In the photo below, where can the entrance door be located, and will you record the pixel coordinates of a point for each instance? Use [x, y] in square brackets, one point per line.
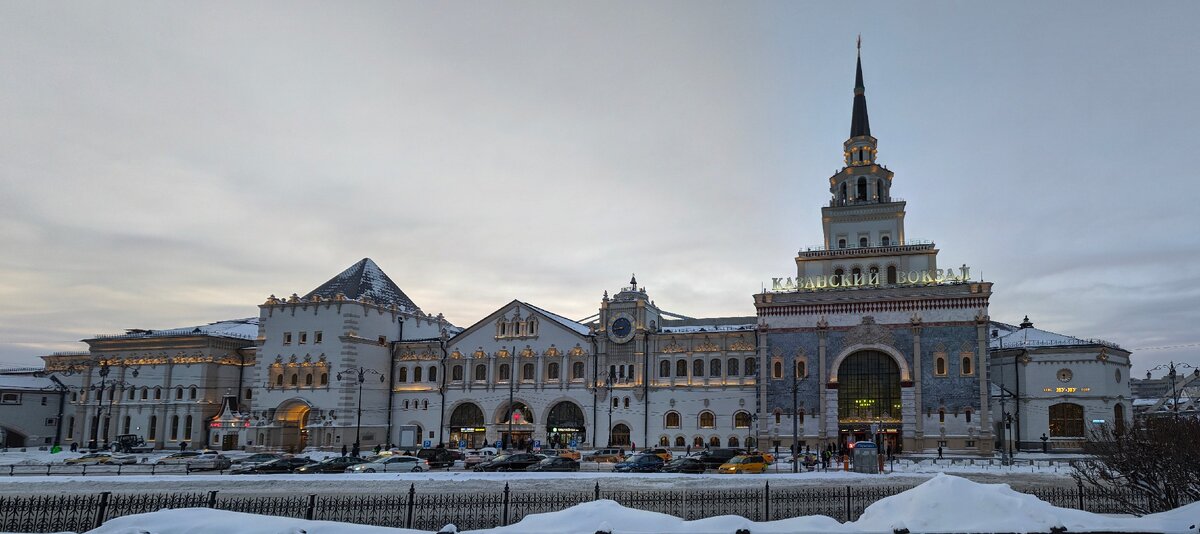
[229, 442]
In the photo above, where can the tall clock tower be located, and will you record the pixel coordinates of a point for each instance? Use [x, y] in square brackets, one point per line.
[626, 320]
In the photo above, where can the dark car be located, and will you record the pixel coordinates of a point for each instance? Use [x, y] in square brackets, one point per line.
[439, 457]
[331, 465]
[641, 463]
[555, 463]
[684, 465]
[510, 462]
[282, 465]
[715, 458]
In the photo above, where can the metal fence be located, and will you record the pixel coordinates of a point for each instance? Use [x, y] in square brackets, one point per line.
[480, 510]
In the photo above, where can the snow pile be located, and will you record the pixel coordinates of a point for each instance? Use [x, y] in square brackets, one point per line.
[608, 516]
[206, 521]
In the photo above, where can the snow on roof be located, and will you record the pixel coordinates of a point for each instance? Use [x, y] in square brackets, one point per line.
[364, 279]
[579, 328]
[1014, 336]
[25, 382]
[236, 328]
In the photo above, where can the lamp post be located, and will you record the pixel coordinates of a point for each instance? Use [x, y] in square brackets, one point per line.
[796, 422]
[362, 377]
[752, 432]
[1170, 366]
[608, 386]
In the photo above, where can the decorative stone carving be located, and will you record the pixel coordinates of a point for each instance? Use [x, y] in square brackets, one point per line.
[673, 348]
[869, 333]
[741, 344]
[706, 346]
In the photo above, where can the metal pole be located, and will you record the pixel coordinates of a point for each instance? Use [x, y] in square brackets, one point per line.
[511, 375]
[358, 424]
[795, 426]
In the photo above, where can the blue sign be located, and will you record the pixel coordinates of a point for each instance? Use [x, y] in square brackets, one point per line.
[462, 443]
[498, 445]
[574, 443]
[537, 444]
[427, 444]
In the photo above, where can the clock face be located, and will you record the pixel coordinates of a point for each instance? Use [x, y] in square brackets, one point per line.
[620, 328]
[1064, 375]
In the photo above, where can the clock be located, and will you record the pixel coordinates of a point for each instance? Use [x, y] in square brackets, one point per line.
[1065, 375]
[620, 328]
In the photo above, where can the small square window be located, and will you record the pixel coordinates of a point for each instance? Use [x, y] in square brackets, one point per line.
[942, 444]
[287, 338]
[10, 398]
[970, 444]
[317, 337]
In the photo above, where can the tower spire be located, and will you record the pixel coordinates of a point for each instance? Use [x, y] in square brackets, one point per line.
[860, 124]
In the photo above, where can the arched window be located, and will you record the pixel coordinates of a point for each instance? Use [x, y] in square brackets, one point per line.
[1066, 420]
[697, 442]
[733, 441]
[456, 373]
[616, 402]
[843, 195]
[741, 420]
[939, 367]
[187, 428]
[672, 420]
[861, 193]
[417, 374]
[432, 373]
[577, 370]
[308, 379]
[178, 393]
[800, 416]
[714, 367]
[801, 369]
[174, 427]
[505, 373]
[941, 415]
[885, 240]
[626, 402]
[125, 425]
[278, 382]
[680, 368]
[425, 404]
[838, 274]
[842, 243]
[406, 404]
[879, 189]
[324, 379]
[132, 393]
[714, 441]
[698, 368]
[402, 374]
[664, 369]
[777, 369]
[966, 364]
[731, 367]
[620, 435]
[480, 373]
[679, 441]
[192, 393]
[749, 369]
[157, 393]
[527, 371]
[968, 414]
[1119, 417]
[295, 379]
[707, 419]
[778, 415]
[873, 276]
[891, 270]
[855, 273]
[664, 441]
[862, 242]
[552, 371]
[152, 430]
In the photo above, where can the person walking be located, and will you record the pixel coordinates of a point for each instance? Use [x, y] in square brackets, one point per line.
[355, 450]
[939, 452]
[344, 450]
[182, 446]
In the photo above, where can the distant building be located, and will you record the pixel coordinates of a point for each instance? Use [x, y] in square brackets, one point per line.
[1156, 397]
[29, 409]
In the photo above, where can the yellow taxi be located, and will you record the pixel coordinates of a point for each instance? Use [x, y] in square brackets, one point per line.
[659, 452]
[745, 463]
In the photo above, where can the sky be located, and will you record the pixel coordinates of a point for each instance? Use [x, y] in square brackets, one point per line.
[167, 164]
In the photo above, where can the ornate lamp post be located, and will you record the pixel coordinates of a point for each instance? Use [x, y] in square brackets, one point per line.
[362, 377]
[1171, 366]
[608, 386]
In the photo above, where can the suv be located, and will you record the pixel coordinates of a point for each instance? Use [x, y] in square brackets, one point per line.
[437, 457]
[715, 458]
[197, 460]
[606, 455]
[128, 443]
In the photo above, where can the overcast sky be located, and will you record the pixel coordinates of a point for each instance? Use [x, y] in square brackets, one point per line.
[166, 164]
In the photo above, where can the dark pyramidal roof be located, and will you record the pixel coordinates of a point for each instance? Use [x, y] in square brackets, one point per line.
[365, 279]
[860, 124]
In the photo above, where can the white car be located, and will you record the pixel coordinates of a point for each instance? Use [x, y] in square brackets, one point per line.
[391, 464]
[102, 458]
[197, 460]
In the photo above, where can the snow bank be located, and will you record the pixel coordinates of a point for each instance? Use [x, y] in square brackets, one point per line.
[605, 515]
[207, 521]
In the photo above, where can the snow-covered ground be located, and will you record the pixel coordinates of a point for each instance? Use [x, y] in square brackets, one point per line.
[944, 503]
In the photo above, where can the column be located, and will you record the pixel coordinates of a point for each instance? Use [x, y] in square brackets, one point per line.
[981, 368]
[823, 376]
[918, 406]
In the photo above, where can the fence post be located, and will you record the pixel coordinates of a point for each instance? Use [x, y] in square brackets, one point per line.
[212, 499]
[1080, 486]
[504, 517]
[597, 493]
[102, 512]
[848, 518]
[767, 501]
[412, 498]
[311, 510]
[10, 469]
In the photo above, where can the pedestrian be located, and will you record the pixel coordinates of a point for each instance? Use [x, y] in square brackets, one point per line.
[939, 452]
[689, 450]
[378, 448]
[74, 446]
[344, 450]
[355, 450]
[182, 446]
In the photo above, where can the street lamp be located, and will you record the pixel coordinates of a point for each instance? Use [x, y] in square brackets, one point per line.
[753, 431]
[1171, 374]
[796, 421]
[362, 377]
[608, 386]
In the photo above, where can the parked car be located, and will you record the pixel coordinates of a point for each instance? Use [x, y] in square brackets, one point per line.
[510, 462]
[715, 458]
[555, 463]
[570, 453]
[659, 452]
[197, 460]
[684, 465]
[640, 463]
[605, 455]
[437, 457]
[282, 465]
[129, 443]
[477, 457]
[255, 459]
[337, 464]
[744, 463]
[391, 464]
[102, 458]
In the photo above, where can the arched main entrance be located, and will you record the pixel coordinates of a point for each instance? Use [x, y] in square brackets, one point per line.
[868, 396]
[467, 426]
[516, 426]
[292, 418]
[565, 424]
[619, 436]
[11, 438]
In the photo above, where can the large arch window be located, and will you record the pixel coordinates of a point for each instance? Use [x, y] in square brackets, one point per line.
[565, 422]
[466, 415]
[673, 420]
[707, 419]
[518, 413]
[620, 435]
[680, 368]
[868, 388]
[1066, 420]
[741, 420]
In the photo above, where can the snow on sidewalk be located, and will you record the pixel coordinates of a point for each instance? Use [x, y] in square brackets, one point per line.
[945, 503]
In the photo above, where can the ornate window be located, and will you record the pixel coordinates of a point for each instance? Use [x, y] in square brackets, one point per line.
[697, 442]
[324, 380]
[308, 379]
[886, 241]
[777, 369]
[626, 402]
[1066, 420]
[552, 371]
[295, 380]
[869, 383]
[178, 393]
[801, 368]
[480, 373]
[417, 373]
[527, 372]
[967, 364]
[456, 373]
[707, 419]
[714, 367]
[891, 270]
[679, 441]
[680, 368]
[749, 369]
[862, 242]
[505, 372]
[731, 367]
[714, 441]
[733, 441]
[664, 369]
[664, 441]
[432, 373]
[672, 419]
[278, 383]
[741, 420]
[839, 272]
[577, 371]
[192, 393]
[402, 374]
[697, 368]
[939, 365]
